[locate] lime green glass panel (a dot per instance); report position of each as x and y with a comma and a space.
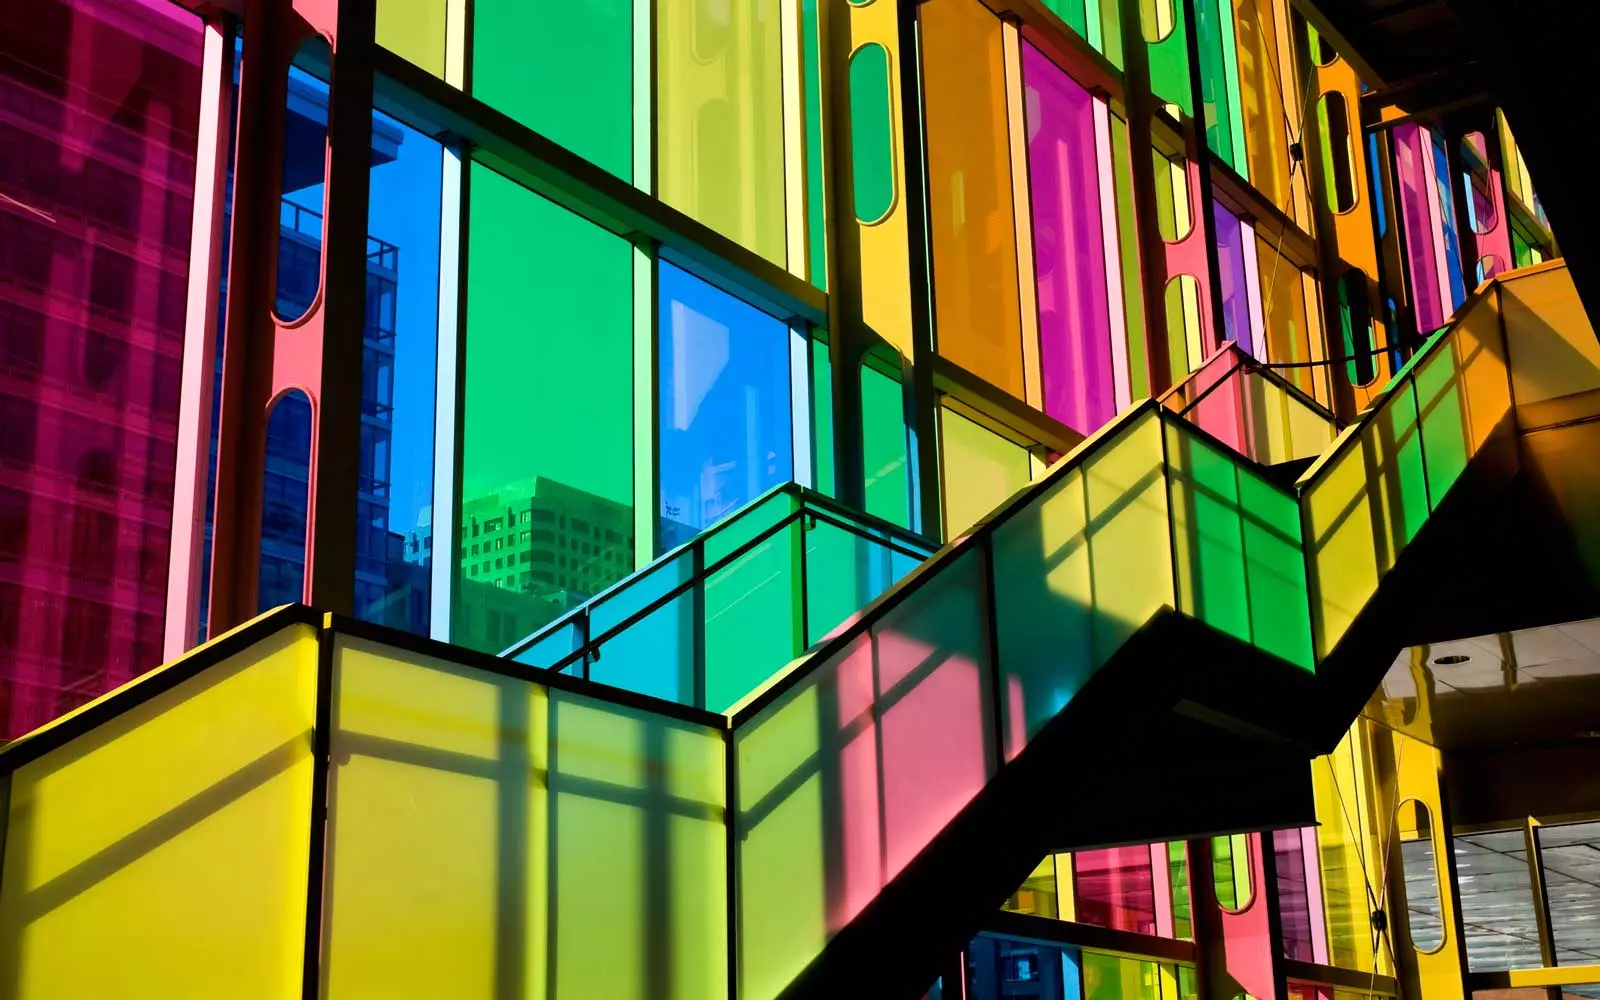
165, 853
1219, 83
719, 119
1076, 572
871, 132
1112, 977
898, 722
980, 469
884, 448
1230, 870
1178, 879
1072, 12
1343, 557
822, 416
476, 818
816, 181
1164, 32
414, 30
1446, 435
547, 436
1396, 451
844, 571
564, 70
1128, 245
1110, 21
753, 617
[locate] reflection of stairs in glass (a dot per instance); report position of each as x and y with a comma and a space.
1147, 643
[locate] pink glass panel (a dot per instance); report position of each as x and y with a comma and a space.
1069, 248
99, 107
1293, 900
1115, 888
1414, 177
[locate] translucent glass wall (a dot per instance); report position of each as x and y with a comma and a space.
97, 175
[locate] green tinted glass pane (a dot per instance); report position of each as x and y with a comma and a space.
884, 448
1208, 534
1164, 27
1128, 240
1178, 878
655, 654
719, 119
1275, 568
816, 191
1072, 12
844, 571
1343, 555
1446, 445
1399, 450
547, 437
1219, 83
871, 133
564, 70
822, 416
753, 625
1109, 18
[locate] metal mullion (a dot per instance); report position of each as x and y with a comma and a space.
1541, 898
317, 883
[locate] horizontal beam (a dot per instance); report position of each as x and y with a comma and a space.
1565, 975
1344, 979
1072, 934
951, 379
424, 101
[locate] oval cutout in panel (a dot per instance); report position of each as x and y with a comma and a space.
1338, 156
1231, 874
872, 133
1157, 19
304, 168
1421, 870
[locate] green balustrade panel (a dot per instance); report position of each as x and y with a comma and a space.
754, 614
1446, 433
655, 654
844, 572
476, 820
900, 722
564, 70
164, 853
547, 414
1079, 570
885, 450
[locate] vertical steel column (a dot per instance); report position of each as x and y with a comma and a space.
1541, 899
924, 399
1140, 106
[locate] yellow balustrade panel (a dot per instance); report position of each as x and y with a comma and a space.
164, 853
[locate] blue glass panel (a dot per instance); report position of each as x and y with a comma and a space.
725, 409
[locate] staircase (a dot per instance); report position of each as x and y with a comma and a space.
1150, 641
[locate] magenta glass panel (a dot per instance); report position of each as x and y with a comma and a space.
1294, 901
1115, 888
1069, 251
1413, 175
1231, 270
99, 106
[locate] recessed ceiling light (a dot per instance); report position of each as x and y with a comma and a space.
1451, 660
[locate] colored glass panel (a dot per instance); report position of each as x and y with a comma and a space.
1295, 899
187, 869
1283, 304
971, 215
97, 164
549, 340
415, 31
816, 182
1128, 244
1219, 83
725, 419
999, 968
1262, 111
1178, 879
871, 133
281, 571
564, 70
822, 416
1338, 152
754, 611
898, 719
1230, 871
654, 655
980, 469
885, 448
1235, 278
1351, 859
1078, 571
1446, 434
1037, 894
1163, 22
399, 349
304, 166
1115, 888
1075, 350
475, 818
719, 119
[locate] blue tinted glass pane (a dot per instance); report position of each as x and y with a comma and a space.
304, 162
399, 354
284, 503
725, 412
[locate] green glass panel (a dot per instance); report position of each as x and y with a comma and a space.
719, 119
844, 571
1178, 878
884, 448
1208, 534
655, 654
1128, 240
1164, 31
871, 133
1398, 450
564, 70
1446, 445
1110, 21
547, 435
822, 416
753, 625
1072, 12
816, 190
1219, 83
1275, 569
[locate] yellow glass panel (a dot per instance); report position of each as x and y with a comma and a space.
415, 31
1348, 849
1553, 348
1130, 541
980, 470
1480, 348
719, 119
164, 854
969, 191
1266, 143
1344, 561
